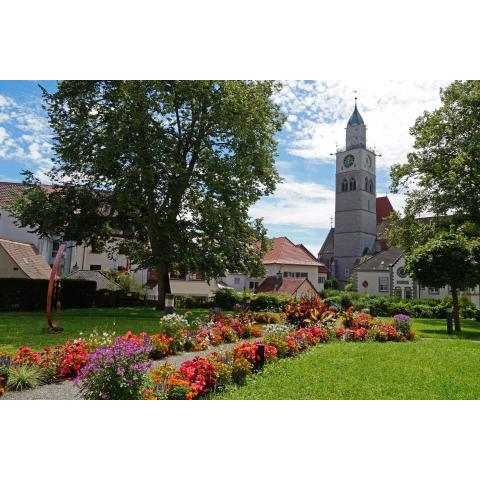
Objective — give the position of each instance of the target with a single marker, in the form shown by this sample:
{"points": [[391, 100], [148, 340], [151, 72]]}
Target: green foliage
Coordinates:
{"points": [[173, 165], [29, 294], [226, 298], [444, 165], [331, 283], [126, 281], [447, 259], [21, 377], [264, 302]]}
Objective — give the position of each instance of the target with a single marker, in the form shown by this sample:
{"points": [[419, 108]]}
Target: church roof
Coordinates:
{"points": [[381, 261], [355, 118], [9, 189]]}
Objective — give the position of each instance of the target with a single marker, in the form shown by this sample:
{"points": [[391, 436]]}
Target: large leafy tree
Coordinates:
{"points": [[440, 179], [442, 173], [163, 171], [449, 258]]}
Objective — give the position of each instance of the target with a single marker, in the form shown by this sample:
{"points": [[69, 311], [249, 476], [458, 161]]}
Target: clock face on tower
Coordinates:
{"points": [[348, 161]]}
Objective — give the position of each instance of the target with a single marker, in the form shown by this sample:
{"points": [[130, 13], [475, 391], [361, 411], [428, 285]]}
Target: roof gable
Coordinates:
{"points": [[382, 261], [384, 208], [284, 251], [286, 286], [27, 258]]}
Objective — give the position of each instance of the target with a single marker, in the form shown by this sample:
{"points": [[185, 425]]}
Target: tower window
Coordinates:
{"points": [[344, 185], [370, 189], [366, 184], [353, 184]]}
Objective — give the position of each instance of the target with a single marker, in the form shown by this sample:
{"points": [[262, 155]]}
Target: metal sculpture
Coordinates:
{"points": [[53, 293]]}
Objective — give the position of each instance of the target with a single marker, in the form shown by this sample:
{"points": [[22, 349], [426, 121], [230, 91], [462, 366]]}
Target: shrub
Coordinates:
{"points": [[226, 298], [403, 324], [264, 302], [307, 311], [24, 376], [160, 345], [71, 359], [278, 341], [97, 339], [117, 372], [345, 302], [31, 294], [200, 374], [174, 326], [268, 317], [331, 283], [241, 368]]}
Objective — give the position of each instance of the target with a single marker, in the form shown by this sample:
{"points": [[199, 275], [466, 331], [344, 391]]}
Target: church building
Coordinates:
{"points": [[356, 221], [356, 249]]}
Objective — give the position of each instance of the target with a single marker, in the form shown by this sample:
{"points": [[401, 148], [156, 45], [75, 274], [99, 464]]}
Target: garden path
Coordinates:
{"points": [[67, 390]]}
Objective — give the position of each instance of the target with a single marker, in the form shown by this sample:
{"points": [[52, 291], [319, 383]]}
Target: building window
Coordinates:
{"points": [[236, 280], [353, 184], [301, 274], [383, 284], [344, 185], [321, 279], [433, 291], [397, 292], [347, 272], [197, 276], [370, 188], [366, 184], [288, 274], [253, 285], [55, 247], [408, 292], [95, 267]]}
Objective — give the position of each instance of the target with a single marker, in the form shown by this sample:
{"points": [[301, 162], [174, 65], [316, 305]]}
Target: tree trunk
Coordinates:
{"points": [[456, 310], [163, 285]]}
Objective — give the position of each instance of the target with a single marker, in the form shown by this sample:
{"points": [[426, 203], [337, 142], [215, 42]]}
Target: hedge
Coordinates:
{"points": [[28, 294]]}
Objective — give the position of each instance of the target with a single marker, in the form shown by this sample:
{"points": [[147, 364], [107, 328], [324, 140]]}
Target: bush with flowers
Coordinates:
{"points": [[57, 362], [161, 346], [117, 372], [97, 339], [403, 323], [310, 310], [5, 364]]}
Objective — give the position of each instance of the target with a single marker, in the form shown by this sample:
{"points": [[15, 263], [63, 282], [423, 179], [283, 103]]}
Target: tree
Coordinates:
{"points": [[163, 171], [447, 259], [442, 174]]}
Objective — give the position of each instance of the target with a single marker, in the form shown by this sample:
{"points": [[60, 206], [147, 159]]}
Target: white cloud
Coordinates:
{"points": [[304, 204], [318, 113], [3, 135]]}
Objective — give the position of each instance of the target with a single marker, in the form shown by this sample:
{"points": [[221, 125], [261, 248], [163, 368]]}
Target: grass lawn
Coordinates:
{"points": [[439, 366], [437, 328], [426, 369], [25, 328]]}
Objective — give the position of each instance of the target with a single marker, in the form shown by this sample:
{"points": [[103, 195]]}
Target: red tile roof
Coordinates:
{"points": [[27, 258], [384, 208], [284, 251], [8, 189], [287, 286]]}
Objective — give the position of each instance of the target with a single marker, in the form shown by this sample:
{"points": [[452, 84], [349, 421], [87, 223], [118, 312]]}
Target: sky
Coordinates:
{"points": [[317, 114]]}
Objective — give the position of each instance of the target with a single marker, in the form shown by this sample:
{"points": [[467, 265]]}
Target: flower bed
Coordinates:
{"points": [[106, 367]]}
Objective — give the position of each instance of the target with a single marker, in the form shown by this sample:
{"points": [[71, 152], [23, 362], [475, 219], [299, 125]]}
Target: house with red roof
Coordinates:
{"points": [[290, 269]]}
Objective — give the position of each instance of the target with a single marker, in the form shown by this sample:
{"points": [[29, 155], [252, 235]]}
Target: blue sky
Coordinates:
{"points": [[317, 115]]}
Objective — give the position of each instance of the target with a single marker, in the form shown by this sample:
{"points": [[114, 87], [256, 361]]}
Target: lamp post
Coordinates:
{"points": [[169, 303], [448, 312]]}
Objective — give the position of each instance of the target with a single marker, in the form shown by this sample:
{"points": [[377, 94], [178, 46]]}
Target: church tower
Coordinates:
{"points": [[355, 204]]}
